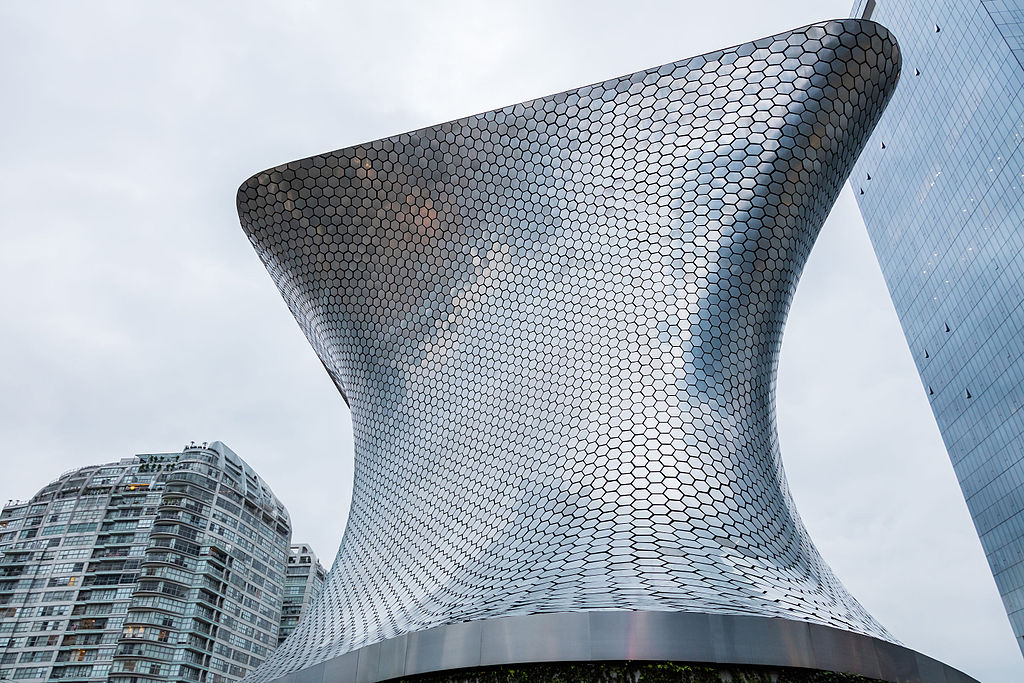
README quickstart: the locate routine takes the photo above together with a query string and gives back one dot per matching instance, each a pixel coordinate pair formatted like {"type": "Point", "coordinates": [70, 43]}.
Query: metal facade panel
{"type": "Point", "coordinates": [838, 652]}
{"type": "Point", "coordinates": [391, 663]}
{"type": "Point", "coordinates": [445, 647]}
{"type": "Point", "coordinates": [550, 638]}
{"type": "Point", "coordinates": [368, 664]}
{"type": "Point", "coordinates": [314, 674]}
{"type": "Point", "coordinates": [341, 669]}
{"type": "Point", "coordinates": [752, 640]}
{"type": "Point", "coordinates": [653, 636]}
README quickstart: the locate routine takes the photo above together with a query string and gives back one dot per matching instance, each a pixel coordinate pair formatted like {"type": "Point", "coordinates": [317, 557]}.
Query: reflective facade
{"type": "Point", "coordinates": [940, 188]}
{"type": "Point", "coordinates": [557, 325]}
{"type": "Point", "coordinates": [161, 567]}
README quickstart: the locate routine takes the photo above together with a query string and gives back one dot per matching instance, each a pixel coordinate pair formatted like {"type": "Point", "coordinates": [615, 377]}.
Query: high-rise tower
{"type": "Point", "coordinates": [160, 567]}
{"type": "Point", "coordinates": [940, 187]}
{"type": "Point", "coordinates": [303, 583]}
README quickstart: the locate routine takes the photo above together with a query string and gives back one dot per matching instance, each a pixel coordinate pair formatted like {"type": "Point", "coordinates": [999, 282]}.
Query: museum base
{"type": "Point", "coordinates": [662, 646]}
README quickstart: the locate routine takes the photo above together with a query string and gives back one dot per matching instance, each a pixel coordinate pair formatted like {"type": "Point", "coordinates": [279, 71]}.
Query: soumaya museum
{"type": "Point", "coordinates": [557, 326]}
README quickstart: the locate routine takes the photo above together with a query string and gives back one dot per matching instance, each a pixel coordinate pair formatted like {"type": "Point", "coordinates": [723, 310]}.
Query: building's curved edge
{"type": "Point", "coordinates": [853, 21]}
{"type": "Point", "coordinates": [630, 636]}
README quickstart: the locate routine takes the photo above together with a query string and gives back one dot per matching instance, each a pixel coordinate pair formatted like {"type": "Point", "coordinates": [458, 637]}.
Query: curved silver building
{"type": "Point", "coordinates": [557, 325]}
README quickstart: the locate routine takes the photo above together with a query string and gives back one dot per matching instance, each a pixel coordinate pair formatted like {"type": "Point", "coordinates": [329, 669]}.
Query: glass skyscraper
{"type": "Point", "coordinates": [940, 187]}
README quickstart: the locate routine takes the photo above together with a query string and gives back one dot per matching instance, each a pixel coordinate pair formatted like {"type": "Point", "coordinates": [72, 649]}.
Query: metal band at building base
{"type": "Point", "coordinates": [630, 636]}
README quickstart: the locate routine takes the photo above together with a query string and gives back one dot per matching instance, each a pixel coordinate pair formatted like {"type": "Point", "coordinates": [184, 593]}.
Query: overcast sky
{"type": "Point", "coordinates": [135, 316]}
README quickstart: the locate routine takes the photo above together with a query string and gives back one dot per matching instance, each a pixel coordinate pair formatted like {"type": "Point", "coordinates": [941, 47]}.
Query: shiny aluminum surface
{"type": "Point", "coordinates": [557, 325]}
{"type": "Point", "coordinates": [631, 636]}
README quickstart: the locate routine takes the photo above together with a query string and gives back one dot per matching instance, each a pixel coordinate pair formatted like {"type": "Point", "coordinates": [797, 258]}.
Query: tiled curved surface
{"type": "Point", "coordinates": [557, 325]}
